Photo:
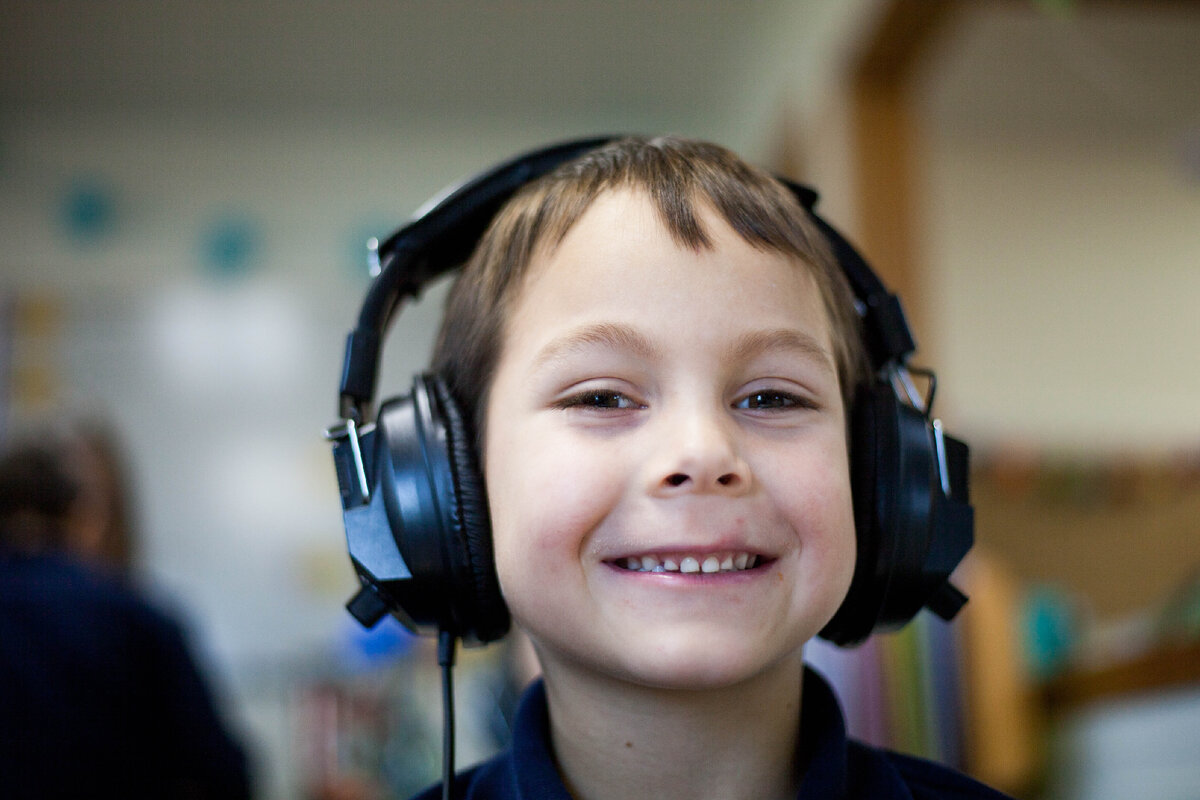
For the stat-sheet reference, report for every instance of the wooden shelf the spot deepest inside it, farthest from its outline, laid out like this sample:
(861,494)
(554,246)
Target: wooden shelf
(1173,666)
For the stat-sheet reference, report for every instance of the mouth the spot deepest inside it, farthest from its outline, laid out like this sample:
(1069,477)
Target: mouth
(691,563)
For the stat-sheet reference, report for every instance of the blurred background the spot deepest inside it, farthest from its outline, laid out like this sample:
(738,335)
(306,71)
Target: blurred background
(186,190)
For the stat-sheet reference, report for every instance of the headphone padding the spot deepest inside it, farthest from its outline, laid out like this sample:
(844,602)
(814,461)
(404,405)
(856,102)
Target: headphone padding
(856,616)
(893,480)
(487,615)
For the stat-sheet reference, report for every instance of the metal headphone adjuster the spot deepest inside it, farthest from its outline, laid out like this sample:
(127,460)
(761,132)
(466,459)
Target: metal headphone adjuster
(349,431)
(900,376)
(374,267)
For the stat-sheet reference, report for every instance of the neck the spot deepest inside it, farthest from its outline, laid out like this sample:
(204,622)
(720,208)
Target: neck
(616,740)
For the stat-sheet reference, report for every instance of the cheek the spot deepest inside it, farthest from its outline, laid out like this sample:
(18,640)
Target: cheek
(544,501)
(820,508)
(830,537)
(839,546)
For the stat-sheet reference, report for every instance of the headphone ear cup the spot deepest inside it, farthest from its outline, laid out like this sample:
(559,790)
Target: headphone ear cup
(893,473)
(481,612)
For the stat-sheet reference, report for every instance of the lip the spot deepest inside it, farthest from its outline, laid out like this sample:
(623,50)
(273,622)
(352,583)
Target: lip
(729,544)
(680,580)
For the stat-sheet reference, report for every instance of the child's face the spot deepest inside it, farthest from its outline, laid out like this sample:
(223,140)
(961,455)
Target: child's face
(654,404)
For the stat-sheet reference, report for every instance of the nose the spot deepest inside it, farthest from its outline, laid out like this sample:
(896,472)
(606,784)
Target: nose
(697,451)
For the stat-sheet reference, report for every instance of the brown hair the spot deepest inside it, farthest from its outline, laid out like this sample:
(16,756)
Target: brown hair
(36,494)
(677,175)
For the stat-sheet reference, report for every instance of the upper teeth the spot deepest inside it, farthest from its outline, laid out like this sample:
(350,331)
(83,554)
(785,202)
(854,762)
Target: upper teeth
(712,562)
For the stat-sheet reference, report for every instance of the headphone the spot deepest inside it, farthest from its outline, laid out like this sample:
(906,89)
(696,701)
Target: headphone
(413,500)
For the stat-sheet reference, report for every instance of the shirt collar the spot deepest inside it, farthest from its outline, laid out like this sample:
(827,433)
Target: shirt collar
(822,746)
(534,769)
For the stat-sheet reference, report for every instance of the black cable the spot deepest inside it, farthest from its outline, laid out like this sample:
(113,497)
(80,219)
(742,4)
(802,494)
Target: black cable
(446,645)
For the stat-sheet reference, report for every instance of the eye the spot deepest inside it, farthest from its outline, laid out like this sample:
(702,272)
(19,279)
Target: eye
(772,400)
(602,399)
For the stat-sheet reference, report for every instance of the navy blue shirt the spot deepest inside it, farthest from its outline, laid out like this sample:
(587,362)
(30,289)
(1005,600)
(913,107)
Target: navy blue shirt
(835,766)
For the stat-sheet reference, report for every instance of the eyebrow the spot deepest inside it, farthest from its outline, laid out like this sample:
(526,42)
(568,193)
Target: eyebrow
(623,337)
(607,335)
(786,339)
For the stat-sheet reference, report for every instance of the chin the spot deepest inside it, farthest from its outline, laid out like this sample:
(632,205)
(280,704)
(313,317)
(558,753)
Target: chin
(683,655)
(712,668)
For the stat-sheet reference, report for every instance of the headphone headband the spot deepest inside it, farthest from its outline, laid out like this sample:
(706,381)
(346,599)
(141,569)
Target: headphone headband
(442,235)
(439,238)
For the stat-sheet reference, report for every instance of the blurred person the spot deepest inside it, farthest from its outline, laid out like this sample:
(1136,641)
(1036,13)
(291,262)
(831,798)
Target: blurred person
(99,694)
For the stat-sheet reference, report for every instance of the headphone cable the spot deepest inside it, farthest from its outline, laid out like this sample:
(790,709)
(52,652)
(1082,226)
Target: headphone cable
(445,657)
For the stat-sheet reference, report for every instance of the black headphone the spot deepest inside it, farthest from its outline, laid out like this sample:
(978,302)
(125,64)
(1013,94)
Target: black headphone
(413,500)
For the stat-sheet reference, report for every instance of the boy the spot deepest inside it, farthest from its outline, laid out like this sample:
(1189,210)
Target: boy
(658,354)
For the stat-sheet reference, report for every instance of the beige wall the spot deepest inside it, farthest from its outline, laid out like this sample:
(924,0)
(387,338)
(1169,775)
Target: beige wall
(1065,285)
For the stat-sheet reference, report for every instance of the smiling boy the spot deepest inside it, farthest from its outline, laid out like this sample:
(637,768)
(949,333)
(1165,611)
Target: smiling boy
(657,412)
(657,355)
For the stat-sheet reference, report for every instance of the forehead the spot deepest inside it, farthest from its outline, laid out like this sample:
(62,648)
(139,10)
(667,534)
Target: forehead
(619,261)
(624,217)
